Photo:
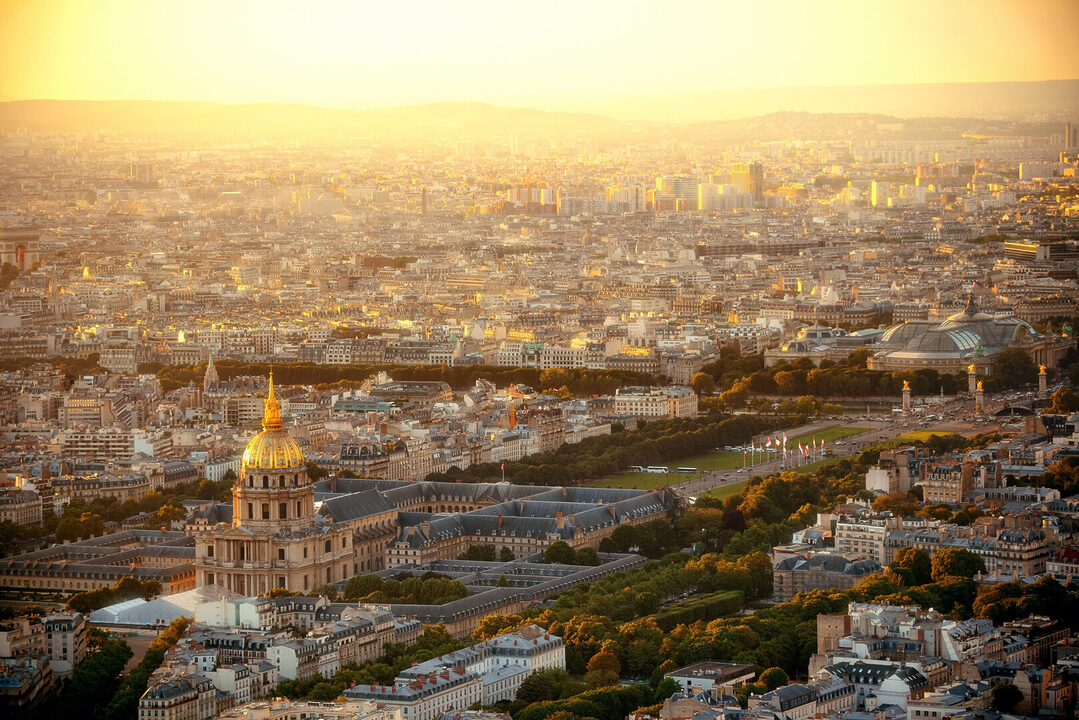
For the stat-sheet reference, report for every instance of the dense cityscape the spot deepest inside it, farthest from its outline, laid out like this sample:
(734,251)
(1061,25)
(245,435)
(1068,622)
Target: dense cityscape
(468,411)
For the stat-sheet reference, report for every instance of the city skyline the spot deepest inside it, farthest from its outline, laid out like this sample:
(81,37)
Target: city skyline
(618,59)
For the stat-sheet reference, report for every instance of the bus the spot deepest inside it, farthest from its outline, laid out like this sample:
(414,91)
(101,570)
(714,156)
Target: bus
(637,468)
(657,469)
(687,470)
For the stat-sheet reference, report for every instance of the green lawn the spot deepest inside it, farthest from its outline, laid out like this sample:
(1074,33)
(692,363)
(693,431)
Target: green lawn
(810,467)
(724,490)
(715,461)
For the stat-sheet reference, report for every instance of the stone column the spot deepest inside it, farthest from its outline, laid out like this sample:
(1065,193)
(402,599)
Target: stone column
(906,398)
(972,379)
(1043,382)
(979,399)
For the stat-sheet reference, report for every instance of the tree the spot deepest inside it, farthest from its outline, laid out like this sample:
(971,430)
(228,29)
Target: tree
(953,562)
(506,554)
(900,504)
(586,556)
(535,688)
(559,552)
(603,668)
(773,677)
(1013,368)
(913,565)
(1006,696)
(479,552)
(667,687)
(360,586)
(1065,401)
(703,384)
(169,513)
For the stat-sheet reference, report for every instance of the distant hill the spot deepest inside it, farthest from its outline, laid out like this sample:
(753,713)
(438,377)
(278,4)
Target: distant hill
(724,114)
(1013,100)
(218,122)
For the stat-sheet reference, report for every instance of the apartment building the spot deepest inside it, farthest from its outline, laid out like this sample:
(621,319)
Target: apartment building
(661,402)
(863,536)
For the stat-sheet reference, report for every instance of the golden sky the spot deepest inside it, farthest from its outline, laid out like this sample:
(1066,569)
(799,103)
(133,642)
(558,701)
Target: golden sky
(544,53)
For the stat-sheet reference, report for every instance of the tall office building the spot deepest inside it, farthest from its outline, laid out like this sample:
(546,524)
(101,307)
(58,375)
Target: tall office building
(749,177)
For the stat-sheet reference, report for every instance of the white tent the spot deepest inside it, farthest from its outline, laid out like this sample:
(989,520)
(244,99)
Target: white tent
(159,611)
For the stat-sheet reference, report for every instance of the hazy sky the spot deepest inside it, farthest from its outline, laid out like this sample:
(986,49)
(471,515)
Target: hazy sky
(545,53)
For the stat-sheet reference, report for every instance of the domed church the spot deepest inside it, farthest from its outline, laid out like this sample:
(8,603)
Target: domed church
(275,540)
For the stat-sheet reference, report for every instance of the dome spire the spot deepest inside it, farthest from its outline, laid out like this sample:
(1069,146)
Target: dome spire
(271,417)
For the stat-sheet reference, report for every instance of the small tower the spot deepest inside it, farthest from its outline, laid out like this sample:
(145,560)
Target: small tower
(906,397)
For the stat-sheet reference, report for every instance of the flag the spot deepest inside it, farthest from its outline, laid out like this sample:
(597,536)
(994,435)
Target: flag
(503,466)
(800,447)
(784,439)
(769,443)
(814,444)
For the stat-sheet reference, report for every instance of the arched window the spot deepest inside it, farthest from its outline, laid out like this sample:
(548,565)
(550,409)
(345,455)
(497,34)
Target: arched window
(282,481)
(250,481)
(265,481)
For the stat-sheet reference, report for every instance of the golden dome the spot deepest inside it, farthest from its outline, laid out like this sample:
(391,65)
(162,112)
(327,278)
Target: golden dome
(272,448)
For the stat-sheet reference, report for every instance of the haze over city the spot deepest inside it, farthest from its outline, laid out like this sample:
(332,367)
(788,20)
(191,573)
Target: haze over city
(579,360)
(618,58)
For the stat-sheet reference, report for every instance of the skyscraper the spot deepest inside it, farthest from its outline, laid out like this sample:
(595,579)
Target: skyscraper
(749,177)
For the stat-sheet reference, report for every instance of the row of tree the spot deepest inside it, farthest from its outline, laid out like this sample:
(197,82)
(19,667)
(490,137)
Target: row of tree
(429,589)
(1012,368)
(125,703)
(577,381)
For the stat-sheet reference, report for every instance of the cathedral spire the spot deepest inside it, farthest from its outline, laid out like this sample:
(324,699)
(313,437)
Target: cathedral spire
(210,379)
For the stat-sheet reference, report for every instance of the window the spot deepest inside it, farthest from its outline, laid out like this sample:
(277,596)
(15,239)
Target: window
(329,546)
(329,574)
(282,481)
(305,557)
(281,581)
(265,511)
(265,481)
(209,578)
(282,510)
(305,577)
(344,541)
(280,553)
(298,512)
(209,551)
(250,510)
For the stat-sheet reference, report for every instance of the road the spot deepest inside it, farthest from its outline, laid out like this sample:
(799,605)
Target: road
(850,445)
(955,415)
